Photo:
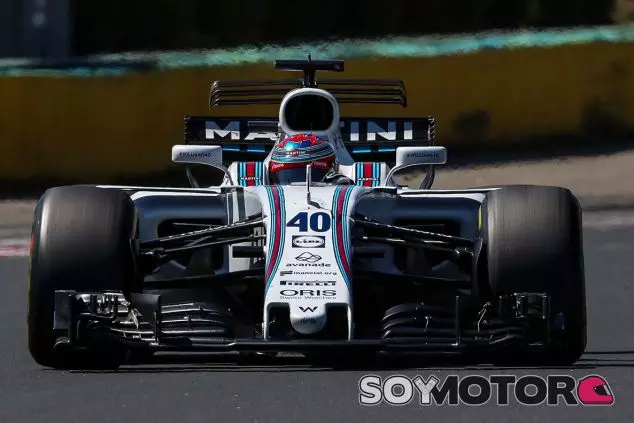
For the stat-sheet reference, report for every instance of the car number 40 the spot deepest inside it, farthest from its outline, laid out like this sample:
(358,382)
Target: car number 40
(318,222)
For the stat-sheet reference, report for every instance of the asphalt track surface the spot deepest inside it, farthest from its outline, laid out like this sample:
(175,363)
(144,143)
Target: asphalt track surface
(290,391)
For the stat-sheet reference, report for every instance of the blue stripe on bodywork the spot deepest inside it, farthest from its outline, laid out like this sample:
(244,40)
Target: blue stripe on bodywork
(334,233)
(258,173)
(241,173)
(361,150)
(271,239)
(344,225)
(276,232)
(272,225)
(282,230)
(241,148)
(377,174)
(346,200)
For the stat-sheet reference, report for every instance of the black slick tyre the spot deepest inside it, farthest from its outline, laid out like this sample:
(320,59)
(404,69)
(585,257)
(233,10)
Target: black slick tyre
(81,240)
(533,243)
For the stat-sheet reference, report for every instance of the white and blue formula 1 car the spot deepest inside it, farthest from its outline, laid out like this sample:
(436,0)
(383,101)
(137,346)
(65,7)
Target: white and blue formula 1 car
(308,245)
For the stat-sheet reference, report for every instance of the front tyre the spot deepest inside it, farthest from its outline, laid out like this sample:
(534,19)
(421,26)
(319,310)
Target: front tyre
(533,243)
(81,240)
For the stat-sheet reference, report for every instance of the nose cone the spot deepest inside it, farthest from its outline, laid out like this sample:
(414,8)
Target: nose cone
(308,319)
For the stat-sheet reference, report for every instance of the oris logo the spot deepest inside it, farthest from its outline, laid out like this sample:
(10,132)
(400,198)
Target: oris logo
(308,293)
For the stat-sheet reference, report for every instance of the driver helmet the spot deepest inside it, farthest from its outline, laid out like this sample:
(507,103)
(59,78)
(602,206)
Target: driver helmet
(291,156)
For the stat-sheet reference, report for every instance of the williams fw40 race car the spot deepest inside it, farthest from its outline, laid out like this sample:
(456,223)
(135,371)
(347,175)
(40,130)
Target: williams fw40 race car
(306,244)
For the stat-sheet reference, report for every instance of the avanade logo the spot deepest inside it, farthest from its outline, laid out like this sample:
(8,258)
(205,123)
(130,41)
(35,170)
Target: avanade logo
(309,257)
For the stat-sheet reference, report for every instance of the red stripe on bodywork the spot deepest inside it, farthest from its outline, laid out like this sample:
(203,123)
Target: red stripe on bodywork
(277,225)
(250,174)
(339,219)
(367,174)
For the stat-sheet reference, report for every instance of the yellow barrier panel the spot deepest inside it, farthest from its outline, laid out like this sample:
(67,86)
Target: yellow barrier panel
(95,128)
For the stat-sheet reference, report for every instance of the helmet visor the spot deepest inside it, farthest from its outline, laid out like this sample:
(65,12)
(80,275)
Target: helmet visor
(286,173)
(297,174)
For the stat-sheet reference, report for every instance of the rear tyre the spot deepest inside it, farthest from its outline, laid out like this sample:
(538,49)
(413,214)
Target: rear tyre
(81,240)
(533,243)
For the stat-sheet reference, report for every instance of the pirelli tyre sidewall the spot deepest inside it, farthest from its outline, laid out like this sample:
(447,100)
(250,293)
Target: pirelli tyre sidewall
(533,243)
(81,240)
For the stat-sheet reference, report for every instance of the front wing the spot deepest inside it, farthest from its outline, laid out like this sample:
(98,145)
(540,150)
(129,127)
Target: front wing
(84,317)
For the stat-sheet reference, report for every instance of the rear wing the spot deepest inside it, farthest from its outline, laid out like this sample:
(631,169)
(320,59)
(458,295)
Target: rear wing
(363,137)
(272,91)
(345,90)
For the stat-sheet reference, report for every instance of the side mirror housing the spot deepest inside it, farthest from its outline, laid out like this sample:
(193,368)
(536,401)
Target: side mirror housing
(408,157)
(413,156)
(199,154)
(210,155)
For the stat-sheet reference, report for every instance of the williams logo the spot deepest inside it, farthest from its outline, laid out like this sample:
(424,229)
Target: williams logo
(308,241)
(305,309)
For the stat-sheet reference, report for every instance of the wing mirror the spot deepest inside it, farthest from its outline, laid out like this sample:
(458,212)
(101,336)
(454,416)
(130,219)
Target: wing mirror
(409,157)
(210,155)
